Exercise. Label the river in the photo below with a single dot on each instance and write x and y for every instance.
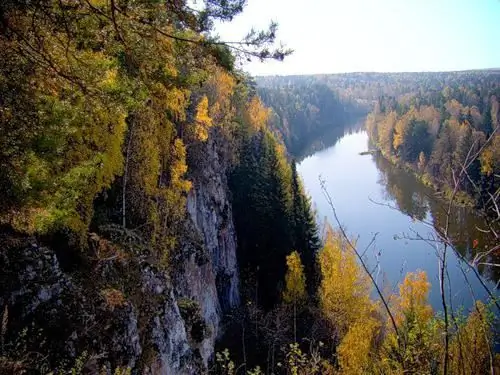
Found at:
(364, 186)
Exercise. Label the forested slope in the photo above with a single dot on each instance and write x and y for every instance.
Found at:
(120, 125)
(445, 128)
(304, 108)
(148, 207)
(426, 121)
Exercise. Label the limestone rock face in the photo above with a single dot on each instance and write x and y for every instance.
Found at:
(209, 274)
(153, 321)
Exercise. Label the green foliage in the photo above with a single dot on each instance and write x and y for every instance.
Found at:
(304, 230)
(303, 110)
(298, 363)
(224, 364)
(94, 90)
(191, 313)
(272, 214)
(77, 368)
(103, 106)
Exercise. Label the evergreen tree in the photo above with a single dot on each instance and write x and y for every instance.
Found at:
(262, 198)
(487, 123)
(305, 232)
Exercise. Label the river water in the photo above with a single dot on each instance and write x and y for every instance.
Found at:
(363, 186)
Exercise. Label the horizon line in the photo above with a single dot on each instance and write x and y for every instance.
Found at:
(379, 72)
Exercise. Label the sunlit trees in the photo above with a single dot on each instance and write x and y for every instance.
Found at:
(73, 76)
(471, 349)
(256, 113)
(387, 132)
(357, 352)
(295, 286)
(344, 292)
(419, 347)
(447, 139)
(295, 281)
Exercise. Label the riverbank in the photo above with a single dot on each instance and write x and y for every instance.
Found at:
(442, 192)
(363, 189)
(369, 152)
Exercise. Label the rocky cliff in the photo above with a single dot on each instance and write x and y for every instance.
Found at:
(119, 309)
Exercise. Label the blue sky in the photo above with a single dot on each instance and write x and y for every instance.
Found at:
(335, 36)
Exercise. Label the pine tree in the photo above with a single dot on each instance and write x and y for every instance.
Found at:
(305, 233)
(261, 188)
(462, 155)
(487, 123)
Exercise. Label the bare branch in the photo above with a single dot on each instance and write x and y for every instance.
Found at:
(363, 264)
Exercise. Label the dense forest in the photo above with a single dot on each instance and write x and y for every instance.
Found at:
(304, 110)
(150, 207)
(445, 128)
(114, 116)
(433, 123)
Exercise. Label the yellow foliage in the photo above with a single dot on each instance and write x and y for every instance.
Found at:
(220, 89)
(344, 292)
(98, 3)
(413, 297)
(487, 161)
(385, 132)
(490, 157)
(173, 100)
(110, 78)
(179, 167)
(471, 345)
(295, 280)
(399, 133)
(113, 298)
(420, 336)
(257, 114)
(354, 351)
(202, 120)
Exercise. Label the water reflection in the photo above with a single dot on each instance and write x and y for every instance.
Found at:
(465, 227)
(330, 137)
(356, 181)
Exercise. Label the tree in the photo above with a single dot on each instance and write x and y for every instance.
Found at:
(344, 292)
(262, 197)
(401, 133)
(203, 122)
(295, 286)
(471, 347)
(83, 71)
(421, 162)
(295, 281)
(419, 332)
(487, 123)
(305, 232)
(355, 352)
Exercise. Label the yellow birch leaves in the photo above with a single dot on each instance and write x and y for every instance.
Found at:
(295, 280)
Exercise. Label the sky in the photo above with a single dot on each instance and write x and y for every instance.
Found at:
(338, 36)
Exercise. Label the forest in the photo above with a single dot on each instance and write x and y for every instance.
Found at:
(445, 129)
(432, 123)
(303, 110)
(131, 142)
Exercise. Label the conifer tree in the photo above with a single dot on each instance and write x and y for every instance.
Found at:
(306, 239)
